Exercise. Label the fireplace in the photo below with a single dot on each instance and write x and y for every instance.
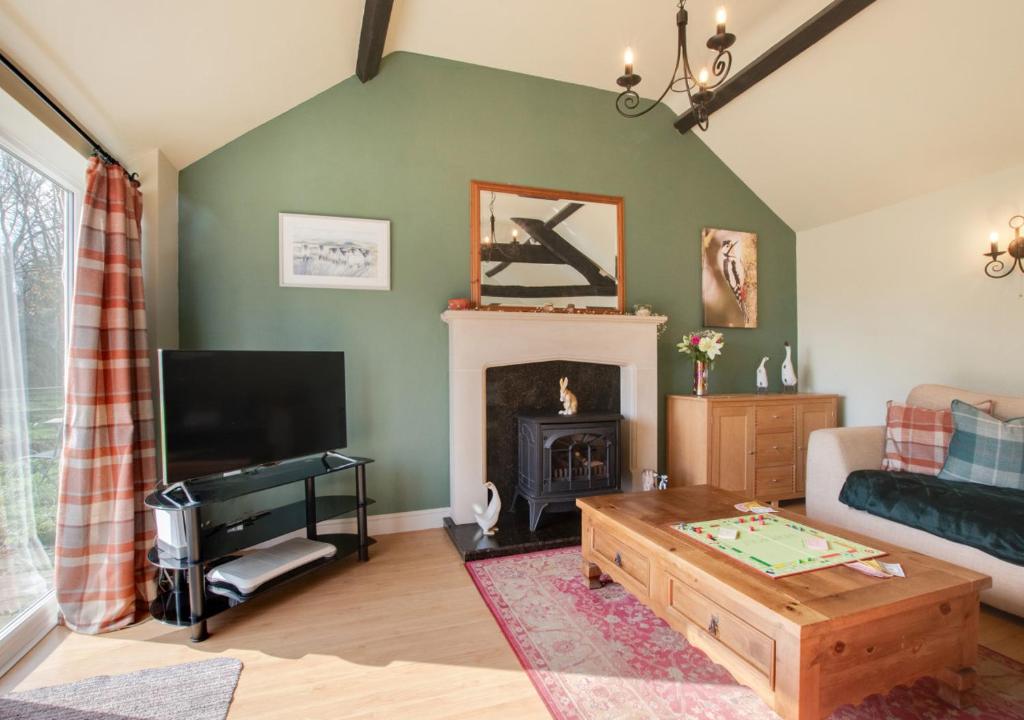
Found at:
(480, 342)
(565, 457)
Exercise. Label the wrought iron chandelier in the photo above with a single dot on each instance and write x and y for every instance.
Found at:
(699, 88)
(996, 268)
(492, 247)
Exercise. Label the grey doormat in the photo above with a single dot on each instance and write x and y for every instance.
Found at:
(193, 691)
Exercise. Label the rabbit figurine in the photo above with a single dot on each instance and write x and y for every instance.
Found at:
(566, 396)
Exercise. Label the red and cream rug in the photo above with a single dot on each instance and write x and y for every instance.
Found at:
(601, 654)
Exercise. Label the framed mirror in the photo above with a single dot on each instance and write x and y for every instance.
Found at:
(533, 248)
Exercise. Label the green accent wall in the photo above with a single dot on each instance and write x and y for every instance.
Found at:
(404, 147)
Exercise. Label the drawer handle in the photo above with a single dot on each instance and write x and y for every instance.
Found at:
(713, 625)
(775, 417)
(618, 559)
(775, 448)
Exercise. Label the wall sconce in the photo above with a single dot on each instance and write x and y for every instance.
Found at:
(996, 268)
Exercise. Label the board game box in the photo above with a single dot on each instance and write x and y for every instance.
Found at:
(775, 546)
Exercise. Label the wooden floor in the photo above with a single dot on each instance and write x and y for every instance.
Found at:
(403, 636)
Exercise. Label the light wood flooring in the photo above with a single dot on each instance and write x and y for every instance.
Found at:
(403, 636)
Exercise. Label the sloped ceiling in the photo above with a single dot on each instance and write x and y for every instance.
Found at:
(908, 96)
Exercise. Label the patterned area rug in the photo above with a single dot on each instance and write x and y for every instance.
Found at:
(192, 691)
(602, 654)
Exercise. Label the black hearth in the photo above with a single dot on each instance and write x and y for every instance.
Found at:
(564, 457)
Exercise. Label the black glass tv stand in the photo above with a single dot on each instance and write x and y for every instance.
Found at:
(217, 528)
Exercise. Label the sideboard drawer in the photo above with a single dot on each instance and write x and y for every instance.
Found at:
(772, 418)
(619, 556)
(741, 638)
(775, 449)
(775, 480)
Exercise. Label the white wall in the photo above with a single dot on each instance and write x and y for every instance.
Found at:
(159, 180)
(897, 297)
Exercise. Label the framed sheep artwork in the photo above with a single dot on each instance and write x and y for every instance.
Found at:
(322, 251)
(729, 278)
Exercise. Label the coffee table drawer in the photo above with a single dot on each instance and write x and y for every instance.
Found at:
(772, 418)
(617, 555)
(743, 639)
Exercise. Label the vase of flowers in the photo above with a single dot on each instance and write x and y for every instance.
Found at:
(703, 347)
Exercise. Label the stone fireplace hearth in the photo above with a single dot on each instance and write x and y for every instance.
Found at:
(481, 340)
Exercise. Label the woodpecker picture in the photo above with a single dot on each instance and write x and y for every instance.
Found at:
(729, 278)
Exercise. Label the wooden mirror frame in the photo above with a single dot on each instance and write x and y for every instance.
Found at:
(476, 187)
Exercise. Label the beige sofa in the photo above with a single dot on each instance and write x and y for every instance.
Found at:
(833, 454)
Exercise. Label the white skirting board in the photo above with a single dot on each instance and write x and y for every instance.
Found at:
(378, 524)
(391, 522)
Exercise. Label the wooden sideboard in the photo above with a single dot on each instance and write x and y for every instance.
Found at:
(751, 444)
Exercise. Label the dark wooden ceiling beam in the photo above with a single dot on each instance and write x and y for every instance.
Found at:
(564, 250)
(376, 16)
(828, 19)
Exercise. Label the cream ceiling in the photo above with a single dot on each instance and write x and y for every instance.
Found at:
(892, 104)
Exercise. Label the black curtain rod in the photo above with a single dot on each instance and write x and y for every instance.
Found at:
(96, 147)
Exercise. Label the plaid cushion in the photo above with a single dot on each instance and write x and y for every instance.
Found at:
(985, 449)
(917, 439)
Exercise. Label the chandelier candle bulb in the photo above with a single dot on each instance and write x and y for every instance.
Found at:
(702, 78)
(998, 268)
(628, 102)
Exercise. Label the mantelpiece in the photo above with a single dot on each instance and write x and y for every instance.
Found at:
(478, 340)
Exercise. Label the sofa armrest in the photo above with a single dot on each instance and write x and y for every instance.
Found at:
(832, 455)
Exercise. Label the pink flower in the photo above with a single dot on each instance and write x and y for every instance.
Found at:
(695, 340)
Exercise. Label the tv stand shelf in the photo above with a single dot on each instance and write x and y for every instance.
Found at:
(186, 600)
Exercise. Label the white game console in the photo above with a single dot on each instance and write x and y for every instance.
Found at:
(255, 568)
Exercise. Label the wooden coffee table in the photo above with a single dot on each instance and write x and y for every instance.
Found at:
(806, 643)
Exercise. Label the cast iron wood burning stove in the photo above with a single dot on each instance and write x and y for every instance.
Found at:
(564, 457)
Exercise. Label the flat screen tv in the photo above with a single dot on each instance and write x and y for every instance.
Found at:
(223, 411)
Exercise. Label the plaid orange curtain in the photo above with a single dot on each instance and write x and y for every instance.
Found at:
(108, 465)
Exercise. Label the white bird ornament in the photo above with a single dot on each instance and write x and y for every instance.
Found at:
(788, 373)
(487, 518)
(762, 376)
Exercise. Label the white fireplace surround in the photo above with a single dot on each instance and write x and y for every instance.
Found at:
(478, 340)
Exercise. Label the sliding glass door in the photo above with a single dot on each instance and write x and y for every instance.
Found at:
(36, 231)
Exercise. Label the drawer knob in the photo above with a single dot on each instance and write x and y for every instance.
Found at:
(618, 559)
(713, 625)
(775, 417)
(775, 448)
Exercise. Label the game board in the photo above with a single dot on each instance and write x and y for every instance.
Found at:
(775, 546)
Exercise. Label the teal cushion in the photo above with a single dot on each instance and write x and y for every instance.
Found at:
(985, 449)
